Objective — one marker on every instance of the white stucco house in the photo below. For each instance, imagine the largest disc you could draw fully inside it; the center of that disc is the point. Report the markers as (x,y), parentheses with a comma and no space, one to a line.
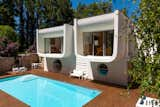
(102,45)
(104,39)
(56,43)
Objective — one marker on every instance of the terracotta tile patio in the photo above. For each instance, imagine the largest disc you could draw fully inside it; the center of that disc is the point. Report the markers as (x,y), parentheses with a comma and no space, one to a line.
(111,96)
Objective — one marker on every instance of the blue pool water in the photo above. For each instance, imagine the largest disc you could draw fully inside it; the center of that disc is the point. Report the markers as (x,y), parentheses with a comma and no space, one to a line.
(38,91)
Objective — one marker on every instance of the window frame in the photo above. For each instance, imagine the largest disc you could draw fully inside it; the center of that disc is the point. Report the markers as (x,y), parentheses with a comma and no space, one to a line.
(49,48)
(103,45)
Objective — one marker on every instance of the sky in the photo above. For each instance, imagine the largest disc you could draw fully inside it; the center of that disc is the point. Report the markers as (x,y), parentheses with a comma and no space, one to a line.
(117,4)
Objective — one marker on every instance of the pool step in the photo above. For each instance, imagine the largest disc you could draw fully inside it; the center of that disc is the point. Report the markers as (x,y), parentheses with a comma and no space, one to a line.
(28,78)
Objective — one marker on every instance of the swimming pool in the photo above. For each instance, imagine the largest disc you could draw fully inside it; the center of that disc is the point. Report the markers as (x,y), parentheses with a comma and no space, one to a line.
(38,91)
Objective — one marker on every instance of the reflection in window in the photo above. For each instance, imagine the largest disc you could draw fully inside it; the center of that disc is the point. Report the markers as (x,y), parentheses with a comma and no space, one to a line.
(54,45)
(98,43)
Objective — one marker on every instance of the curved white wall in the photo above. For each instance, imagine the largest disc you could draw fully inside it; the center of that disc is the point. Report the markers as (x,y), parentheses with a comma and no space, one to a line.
(93,24)
(118,62)
(64,31)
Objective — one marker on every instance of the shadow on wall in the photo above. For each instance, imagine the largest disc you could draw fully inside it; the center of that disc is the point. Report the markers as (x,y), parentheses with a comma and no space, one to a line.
(100,71)
(57,65)
(62,65)
(116,74)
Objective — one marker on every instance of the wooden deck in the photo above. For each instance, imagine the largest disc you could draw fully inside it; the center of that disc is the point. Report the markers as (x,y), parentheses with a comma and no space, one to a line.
(111,96)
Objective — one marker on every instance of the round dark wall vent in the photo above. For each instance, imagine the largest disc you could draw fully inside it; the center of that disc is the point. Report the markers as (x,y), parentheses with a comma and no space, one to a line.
(57,65)
(103,69)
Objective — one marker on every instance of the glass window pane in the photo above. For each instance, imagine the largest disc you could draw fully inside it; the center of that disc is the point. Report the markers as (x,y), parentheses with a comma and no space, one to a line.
(109,42)
(98,43)
(54,45)
(87,43)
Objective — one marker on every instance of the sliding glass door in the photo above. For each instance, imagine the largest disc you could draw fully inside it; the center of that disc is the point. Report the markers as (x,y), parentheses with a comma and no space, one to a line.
(98,43)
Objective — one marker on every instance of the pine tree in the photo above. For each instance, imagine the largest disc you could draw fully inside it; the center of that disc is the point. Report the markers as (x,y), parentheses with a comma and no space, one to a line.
(64,12)
(55,12)
(92,9)
(7,13)
(30,21)
(19,6)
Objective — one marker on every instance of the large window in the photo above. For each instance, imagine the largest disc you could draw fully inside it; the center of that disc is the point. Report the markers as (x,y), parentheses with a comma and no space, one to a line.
(54,45)
(98,43)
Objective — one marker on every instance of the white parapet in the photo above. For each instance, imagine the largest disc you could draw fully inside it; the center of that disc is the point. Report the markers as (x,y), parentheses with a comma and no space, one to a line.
(64,32)
(94,24)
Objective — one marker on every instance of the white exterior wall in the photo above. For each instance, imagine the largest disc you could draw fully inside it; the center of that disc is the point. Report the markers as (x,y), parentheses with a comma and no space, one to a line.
(118,62)
(98,23)
(67,57)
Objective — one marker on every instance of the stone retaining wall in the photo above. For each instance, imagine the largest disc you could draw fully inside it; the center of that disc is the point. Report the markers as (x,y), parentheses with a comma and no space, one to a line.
(6,63)
(27,59)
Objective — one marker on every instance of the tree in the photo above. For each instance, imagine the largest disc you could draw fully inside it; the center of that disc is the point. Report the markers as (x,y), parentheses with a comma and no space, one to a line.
(8,48)
(146,64)
(19,5)
(8,32)
(8,41)
(64,12)
(30,21)
(55,12)
(124,11)
(7,13)
(93,9)
(34,14)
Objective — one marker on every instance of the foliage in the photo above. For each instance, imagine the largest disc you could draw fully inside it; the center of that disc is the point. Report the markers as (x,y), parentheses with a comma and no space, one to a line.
(55,12)
(8,32)
(7,13)
(8,41)
(25,16)
(8,48)
(146,64)
(93,9)
(32,49)
(19,8)
(34,14)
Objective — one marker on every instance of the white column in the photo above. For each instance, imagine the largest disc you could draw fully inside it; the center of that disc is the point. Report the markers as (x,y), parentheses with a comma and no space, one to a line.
(37,41)
(45,64)
(104,44)
(75,35)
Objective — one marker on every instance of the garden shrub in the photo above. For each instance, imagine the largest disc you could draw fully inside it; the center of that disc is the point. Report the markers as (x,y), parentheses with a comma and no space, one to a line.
(8,41)
(146,64)
(8,48)
(8,32)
